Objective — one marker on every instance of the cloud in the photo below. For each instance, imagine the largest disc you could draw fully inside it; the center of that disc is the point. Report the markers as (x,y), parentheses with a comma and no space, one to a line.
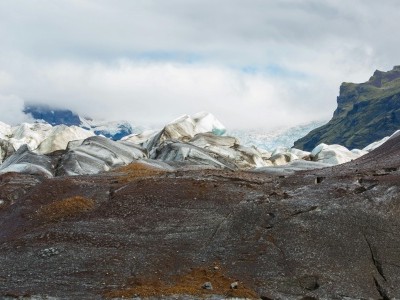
(11,108)
(257,63)
(155,93)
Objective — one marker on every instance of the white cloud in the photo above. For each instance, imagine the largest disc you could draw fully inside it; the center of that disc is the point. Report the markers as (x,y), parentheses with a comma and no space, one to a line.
(155,93)
(11,108)
(149,61)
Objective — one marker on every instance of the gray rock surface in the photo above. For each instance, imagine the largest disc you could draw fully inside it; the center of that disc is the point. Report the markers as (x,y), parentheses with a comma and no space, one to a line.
(328,233)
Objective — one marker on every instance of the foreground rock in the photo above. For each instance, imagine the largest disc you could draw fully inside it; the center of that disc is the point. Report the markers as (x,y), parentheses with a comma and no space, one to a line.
(366,112)
(147,231)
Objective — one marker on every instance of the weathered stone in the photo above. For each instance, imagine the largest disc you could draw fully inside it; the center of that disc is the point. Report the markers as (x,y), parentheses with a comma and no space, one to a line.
(207,286)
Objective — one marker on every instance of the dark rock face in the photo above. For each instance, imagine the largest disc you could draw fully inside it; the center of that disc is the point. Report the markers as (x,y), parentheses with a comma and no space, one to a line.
(52,116)
(366,112)
(123,129)
(282,237)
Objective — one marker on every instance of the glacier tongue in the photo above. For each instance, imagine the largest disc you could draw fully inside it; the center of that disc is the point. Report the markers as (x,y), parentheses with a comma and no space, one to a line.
(195,142)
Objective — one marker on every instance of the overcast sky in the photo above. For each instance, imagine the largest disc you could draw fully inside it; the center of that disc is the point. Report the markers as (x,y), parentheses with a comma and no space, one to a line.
(252,63)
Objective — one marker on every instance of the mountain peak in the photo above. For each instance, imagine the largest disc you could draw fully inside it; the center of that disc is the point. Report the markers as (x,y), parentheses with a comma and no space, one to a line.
(366,112)
(114,130)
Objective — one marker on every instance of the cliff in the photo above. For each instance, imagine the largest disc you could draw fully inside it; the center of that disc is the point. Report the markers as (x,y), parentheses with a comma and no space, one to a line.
(366,112)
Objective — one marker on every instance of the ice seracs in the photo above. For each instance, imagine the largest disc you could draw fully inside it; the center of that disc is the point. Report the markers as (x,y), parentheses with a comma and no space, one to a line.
(333,154)
(6,150)
(207,122)
(60,136)
(185,128)
(5,131)
(30,134)
(26,161)
(188,142)
(98,154)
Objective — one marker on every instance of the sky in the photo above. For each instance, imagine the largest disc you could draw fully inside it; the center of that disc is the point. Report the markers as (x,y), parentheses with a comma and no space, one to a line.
(252,63)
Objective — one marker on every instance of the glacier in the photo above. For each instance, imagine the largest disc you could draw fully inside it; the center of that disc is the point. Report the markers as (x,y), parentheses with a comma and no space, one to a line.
(199,141)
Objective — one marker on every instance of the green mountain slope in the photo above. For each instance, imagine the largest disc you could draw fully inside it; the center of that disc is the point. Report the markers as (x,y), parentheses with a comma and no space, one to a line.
(366,112)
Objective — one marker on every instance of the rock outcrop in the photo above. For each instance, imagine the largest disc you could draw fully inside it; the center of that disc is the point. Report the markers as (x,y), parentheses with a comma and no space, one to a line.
(146,231)
(366,112)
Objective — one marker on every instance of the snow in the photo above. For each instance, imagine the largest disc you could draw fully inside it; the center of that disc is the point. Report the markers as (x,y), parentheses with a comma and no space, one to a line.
(270,139)
(332,154)
(292,167)
(197,141)
(97,154)
(207,122)
(110,129)
(184,128)
(140,138)
(182,152)
(25,161)
(376,144)
(31,134)
(60,136)
(5,130)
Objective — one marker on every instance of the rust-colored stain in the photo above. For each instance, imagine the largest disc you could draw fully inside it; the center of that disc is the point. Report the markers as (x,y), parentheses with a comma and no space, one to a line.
(187,284)
(64,209)
(138,170)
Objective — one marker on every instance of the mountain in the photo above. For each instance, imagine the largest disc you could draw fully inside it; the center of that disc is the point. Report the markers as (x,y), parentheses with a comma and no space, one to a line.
(52,116)
(366,112)
(114,130)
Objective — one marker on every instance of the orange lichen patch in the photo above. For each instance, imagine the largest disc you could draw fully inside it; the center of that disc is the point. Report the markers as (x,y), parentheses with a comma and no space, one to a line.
(188,284)
(137,170)
(66,208)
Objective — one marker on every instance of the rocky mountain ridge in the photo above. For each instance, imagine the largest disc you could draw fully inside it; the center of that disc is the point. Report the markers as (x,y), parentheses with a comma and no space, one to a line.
(366,112)
(114,130)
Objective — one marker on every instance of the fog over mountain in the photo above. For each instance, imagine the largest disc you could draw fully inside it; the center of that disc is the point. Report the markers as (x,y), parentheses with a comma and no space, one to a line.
(254,64)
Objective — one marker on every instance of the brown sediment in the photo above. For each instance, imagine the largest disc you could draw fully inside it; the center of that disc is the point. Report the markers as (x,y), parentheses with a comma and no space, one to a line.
(138,170)
(187,284)
(63,209)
